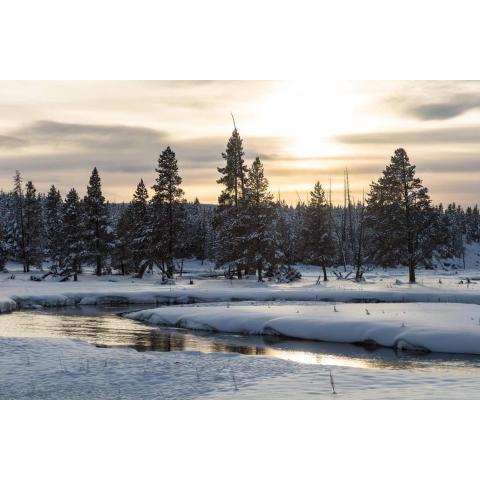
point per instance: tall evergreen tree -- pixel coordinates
(229, 227)
(32, 228)
(167, 211)
(53, 225)
(199, 230)
(319, 246)
(98, 230)
(400, 216)
(15, 222)
(234, 174)
(3, 247)
(122, 254)
(73, 234)
(141, 229)
(259, 217)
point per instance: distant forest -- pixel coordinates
(247, 233)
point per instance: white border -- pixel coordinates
(239, 40)
(238, 439)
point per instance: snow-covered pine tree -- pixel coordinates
(259, 216)
(14, 224)
(472, 224)
(3, 248)
(168, 212)
(456, 229)
(288, 232)
(234, 174)
(122, 254)
(73, 250)
(319, 246)
(32, 228)
(198, 231)
(140, 230)
(228, 225)
(53, 225)
(98, 231)
(400, 216)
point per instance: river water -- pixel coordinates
(104, 327)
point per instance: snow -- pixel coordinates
(32, 368)
(441, 314)
(445, 328)
(380, 286)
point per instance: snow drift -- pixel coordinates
(445, 328)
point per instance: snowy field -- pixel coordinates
(461, 286)
(67, 369)
(440, 314)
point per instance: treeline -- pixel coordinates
(247, 233)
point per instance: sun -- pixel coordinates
(309, 115)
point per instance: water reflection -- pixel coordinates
(104, 328)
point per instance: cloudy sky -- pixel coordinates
(55, 132)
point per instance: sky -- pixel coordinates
(55, 132)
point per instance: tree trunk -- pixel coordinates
(239, 271)
(259, 271)
(411, 271)
(324, 268)
(142, 270)
(99, 266)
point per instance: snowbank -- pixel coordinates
(33, 294)
(446, 328)
(33, 368)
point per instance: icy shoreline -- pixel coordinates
(55, 295)
(445, 328)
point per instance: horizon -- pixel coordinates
(55, 132)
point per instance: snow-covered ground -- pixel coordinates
(69, 369)
(380, 286)
(56, 369)
(441, 313)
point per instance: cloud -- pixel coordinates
(85, 136)
(450, 108)
(461, 135)
(433, 100)
(10, 142)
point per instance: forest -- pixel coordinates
(249, 232)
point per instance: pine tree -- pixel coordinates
(122, 254)
(288, 228)
(3, 248)
(72, 234)
(472, 224)
(98, 230)
(234, 174)
(167, 212)
(228, 225)
(15, 222)
(53, 225)
(318, 242)
(32, 228)
(400, 215)
(141, 230)
(259, 217)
